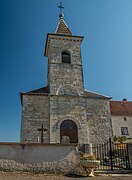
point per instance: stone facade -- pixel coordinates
(92, 117)
(99, 120)
(65, 78)
(35, 112)
(64, 99)
(68, 107)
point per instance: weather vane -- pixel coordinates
(61, 7)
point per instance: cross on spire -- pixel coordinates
(61, 7)
(42, 130)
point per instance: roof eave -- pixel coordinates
(60, 35)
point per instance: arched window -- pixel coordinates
(65, 57)
(69, 129)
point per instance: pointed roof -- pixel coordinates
(62, 28)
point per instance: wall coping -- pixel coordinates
(37, 144)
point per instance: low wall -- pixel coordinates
(45, 158)
(32, 153)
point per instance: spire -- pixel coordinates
(62, 27)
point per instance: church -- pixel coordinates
(63, 111)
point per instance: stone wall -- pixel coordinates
(68, 108)
(59, 44)
(34, 153)
(39, 158)
(91, 115)
(99, 120)
(35, 112)
(65, 78)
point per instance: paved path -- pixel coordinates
(27, 176)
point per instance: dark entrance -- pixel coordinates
(69, 128)
(112, 156)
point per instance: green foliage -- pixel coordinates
(120, 139)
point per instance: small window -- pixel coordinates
(65, 57)
(124, 131)
(125, 119)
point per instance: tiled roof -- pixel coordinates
(40, 90)
(122, 108)
(62, 28)
(95, 95)
(45, 90)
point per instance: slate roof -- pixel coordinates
(122, 108)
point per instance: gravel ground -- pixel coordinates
(28, 176)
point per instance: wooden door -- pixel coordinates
(69, 128)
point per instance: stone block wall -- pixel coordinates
(62, 75)
(99, 120)
(38, 158)
(68, 108)
(66, 79)
(35, 112)
(59, 44)
(91, 115)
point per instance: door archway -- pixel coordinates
(69, 128)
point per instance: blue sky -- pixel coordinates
(106, 50)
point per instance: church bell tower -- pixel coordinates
(63, 112)
(65, 73)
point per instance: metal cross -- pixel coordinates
(42, 133)
(60, 7)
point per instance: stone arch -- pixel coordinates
(58, 125)
(71, 118)
(67, 90)
(68, 132)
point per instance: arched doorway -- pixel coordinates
(69, 128)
